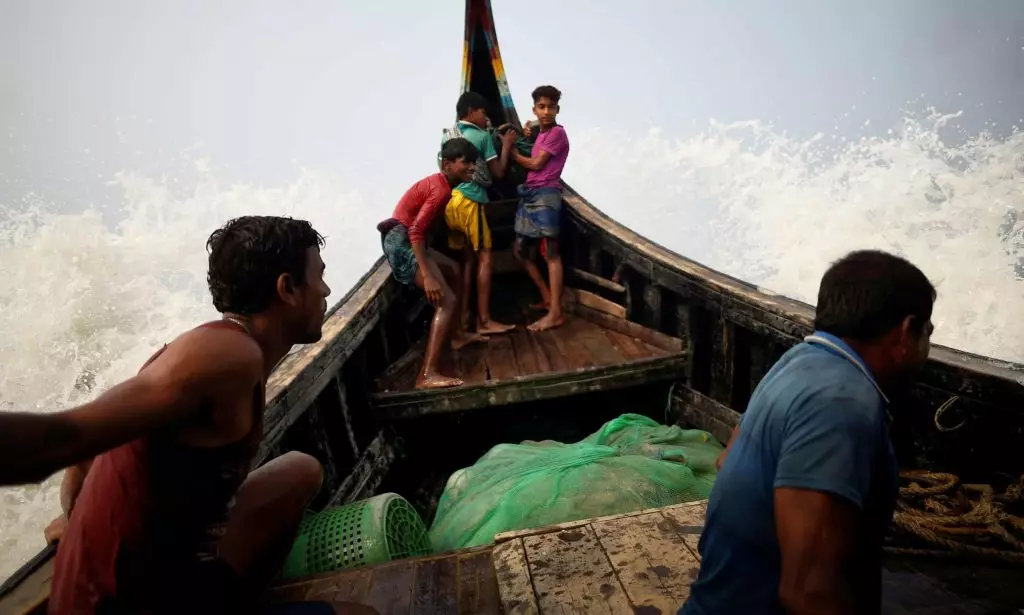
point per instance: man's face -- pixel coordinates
(911, 352)
(310, 304)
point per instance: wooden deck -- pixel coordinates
(637, 563)
(640, 562)
(593, 351)
(461, 583)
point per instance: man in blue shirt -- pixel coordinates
(798, 512)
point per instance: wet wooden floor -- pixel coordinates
(638, 563)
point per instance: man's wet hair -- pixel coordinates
(249, 253)
(456, 148)
(547, 91)
(469, 101)
(867, 293)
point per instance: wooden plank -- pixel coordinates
(515, 586)
(397, 373)
(549, 350)
(502, 537)
(571, 573)
(529, 357)
(596, 302)
(592, 337)
(683, 520)
(366, 475)
(596, 280)
(478, 586)
(630, 328)
(436, 589)
(392, 406)
(391, 589)
(706, 405)
(352, 586)
(501, 358)
(566, 338)
(650, 559)
(630, 348)
(472, 363)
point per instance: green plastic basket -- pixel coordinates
(371, 531)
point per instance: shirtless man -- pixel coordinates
(172, 520)
(404, 241)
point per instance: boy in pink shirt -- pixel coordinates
(540, 204)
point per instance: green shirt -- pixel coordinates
(482, 140)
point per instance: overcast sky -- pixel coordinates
(362, 89)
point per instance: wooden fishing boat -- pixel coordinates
(651, 332)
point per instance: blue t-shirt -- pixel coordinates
(816, 421)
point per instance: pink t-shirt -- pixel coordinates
(555, 142)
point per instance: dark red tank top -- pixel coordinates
(149, 513)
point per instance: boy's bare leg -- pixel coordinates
(468, 263)
(451, 272)
(430, 376)
(534, 273)
(554, 316)
(485, 325)
(265, 517)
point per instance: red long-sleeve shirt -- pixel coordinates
(421, 204)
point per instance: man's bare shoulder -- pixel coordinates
(212, 352)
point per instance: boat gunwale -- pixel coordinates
(788, 308)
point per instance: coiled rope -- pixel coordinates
(954, 519)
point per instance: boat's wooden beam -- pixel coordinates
(392, 406)
(702, 412)
(630, 328)
(593, 301)
(597, 280)
(367, 474)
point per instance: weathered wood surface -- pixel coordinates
(304, 374)
(597, 280)
(457, 583)
(592, 351)
(704, 413)
(639, 562)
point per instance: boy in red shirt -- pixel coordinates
(404, 240)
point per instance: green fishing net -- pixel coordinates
(631, 463)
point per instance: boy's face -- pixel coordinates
(460, 169)
(545, 110)
(477, 117)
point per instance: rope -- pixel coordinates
(954, 519)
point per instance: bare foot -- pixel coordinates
(548, 322)
(492, 327)
(465, 338)
(540, 305)
(437, 381)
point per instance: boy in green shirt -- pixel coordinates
(464, 213)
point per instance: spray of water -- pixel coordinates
(88, 298)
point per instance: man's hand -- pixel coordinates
(433, 290)
(55, 531)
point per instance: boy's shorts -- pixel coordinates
(538, 221)
(466, 219)
(402, 259)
